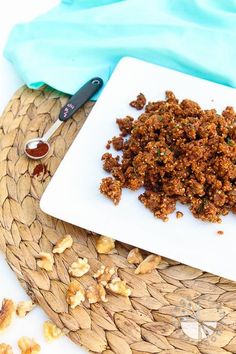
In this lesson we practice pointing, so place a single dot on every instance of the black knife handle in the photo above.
(80, 97)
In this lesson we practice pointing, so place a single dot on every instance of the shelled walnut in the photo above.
(148, 264)
(119, 287)
(51, 331)
(104, 244)
(6, 313)
(63, 244)
(28, 346)
(75, 294)
(5, 349)
(96, 293)
(104, 275)
(24, 307)
(79, 268)
(134, 256)
(46, 261)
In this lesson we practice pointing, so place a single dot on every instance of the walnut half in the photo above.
(6, 313)
(28, 346)
(75, 294)
(51, 331)
(63, 244)
(104, 275)
(96, 293)
(24, 307)
(5, 349)
(119, 287)
(46, 261)
(148, 264)
(104, 244)
(134, 256)
(79, 268)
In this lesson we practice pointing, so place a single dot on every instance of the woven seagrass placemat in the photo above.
(169, 311)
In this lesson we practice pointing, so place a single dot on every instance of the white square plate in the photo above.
(73, 194)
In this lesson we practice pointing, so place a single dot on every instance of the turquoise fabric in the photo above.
(80, 39)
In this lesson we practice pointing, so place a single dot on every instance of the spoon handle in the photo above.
(52, 130)
(80, 97)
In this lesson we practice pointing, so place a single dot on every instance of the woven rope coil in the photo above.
(151, 319)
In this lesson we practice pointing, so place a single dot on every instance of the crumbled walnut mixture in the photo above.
(96, 293)
(125, 125)
(63, 244)
(109, 162)
(117, 142)
(139, 103)
(104, 275)
(179, 152)
(46, 261)
(179, 214)
(119, 287)
(24, 307)
(5, 349)
(75, 294)
(134, 256)
(6, 313)
(220, 232)
(28, 346)
(159, 204)
(148, 264)
(51, 331)
(104, 244)
(111, 188)
(79, 268)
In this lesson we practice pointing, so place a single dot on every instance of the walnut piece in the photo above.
(63, 244)
(51, 331)
(99, 272)
(119, 287)
(79, 268)
(148, 264)
(96, 293)
(46, 261)
(75, 294)
(104, 244)
(28, 346)
(6, 313)
(104, 275)
(24, 307)
(5, 349)
(134, 256)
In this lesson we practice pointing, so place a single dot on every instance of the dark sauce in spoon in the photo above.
(39, 150)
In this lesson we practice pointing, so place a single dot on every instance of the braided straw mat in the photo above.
(170, 310)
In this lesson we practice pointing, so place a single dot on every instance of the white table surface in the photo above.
(11, 12)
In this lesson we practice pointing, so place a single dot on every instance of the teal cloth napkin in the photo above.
(79, 39)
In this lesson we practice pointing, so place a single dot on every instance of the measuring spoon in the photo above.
(38, 148)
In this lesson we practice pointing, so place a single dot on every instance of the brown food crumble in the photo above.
(108, 145)
(125, 125)
(117, 142)
(139, 103)
(111, 188)
(109, 162)
(176, 151)
(220, 232)
(179, 214)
